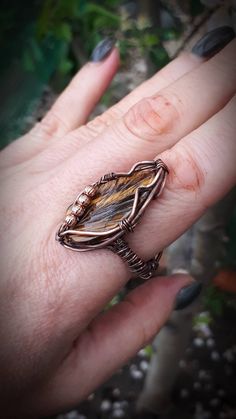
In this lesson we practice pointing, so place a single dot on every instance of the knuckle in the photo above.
(50, 126)
(144, 331)
(187, 171)
(152, 116)
(98, 124)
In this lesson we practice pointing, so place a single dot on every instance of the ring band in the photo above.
(106, 210)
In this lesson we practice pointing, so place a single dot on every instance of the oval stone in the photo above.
(113, 203)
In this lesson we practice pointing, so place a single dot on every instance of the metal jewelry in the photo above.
(105, 211)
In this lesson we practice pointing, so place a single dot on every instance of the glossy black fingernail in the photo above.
(213, 41)
(187, 295)
(102, 49)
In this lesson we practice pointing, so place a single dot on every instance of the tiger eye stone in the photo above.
(113, 202)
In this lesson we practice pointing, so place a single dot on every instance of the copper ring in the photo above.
(106, 210)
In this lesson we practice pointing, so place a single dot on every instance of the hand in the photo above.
(55, 346)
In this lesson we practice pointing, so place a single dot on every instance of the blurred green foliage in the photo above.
(46, 41)
(203, 318)
(80, 25)
(216, 300)
(76, 22)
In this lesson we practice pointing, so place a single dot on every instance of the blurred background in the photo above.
(189, 371)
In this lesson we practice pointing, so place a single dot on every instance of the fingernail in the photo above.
(187, 295)
(102, 49)
(213, 42)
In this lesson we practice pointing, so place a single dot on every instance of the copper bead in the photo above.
(70, 220)
(77, 210)
(83, 199)
(90, 191)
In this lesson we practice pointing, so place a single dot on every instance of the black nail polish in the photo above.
(213, 42)
(102, 49)
(187, 295)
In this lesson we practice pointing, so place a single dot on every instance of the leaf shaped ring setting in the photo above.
(105, 211)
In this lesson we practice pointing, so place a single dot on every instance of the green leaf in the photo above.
(202, 318)
(101, 22)
(215, 300)
(27, 61)
(148, 351)
(36, 50)
(101, 11)
(63, 32)
(159, 56)
(65, 66)
(150, 40)
(106, 98)
(43, 21)
(169, 34)
(123, 46)
(32, 56)
(69, 9)
(115, 300)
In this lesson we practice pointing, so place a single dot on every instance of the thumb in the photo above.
(116, 335)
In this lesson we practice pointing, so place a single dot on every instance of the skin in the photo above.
(56, 346)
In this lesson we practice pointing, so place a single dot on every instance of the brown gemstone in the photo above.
(113, 203)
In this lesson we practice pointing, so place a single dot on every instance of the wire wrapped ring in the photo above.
(105, 211)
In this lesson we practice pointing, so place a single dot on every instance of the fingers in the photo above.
(158, 122)
(66, 148)
(202, 170)
(211, 43)
(101, 274)
(194, 183)
(113, 338)
(37, 140)
(171, 72)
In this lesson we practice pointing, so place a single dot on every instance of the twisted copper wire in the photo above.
(108, 176)
(126, 225)
(141, 268)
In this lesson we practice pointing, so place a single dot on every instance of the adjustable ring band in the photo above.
(105, 211)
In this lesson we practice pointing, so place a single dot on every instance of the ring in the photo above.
(105, 211)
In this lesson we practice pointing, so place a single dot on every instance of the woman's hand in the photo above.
(55, 346)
